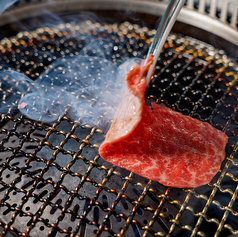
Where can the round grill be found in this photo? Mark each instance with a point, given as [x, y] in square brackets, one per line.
[54, 183]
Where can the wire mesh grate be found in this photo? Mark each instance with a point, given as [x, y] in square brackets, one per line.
[53, 182]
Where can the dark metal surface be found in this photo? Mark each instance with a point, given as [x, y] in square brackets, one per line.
[53, 182]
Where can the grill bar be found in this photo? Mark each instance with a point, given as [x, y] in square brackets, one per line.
[157, 212]
[136, 204]
[209, 201]
[226, 213]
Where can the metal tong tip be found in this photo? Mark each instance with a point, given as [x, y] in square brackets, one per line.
[163, 31]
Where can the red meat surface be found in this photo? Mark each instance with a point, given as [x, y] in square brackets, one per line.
[159, 143]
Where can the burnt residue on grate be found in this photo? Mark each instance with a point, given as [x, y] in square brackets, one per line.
[54, 183]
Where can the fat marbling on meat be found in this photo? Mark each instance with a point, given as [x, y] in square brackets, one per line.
[159, 143]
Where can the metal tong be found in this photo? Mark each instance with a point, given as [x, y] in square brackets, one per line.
[162, 32]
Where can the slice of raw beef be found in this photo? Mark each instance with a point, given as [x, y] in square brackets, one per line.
[159, 143]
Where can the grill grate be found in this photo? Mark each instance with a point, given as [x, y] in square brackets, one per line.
[53, 182]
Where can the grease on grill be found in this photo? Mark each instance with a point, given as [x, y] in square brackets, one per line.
[53, 181]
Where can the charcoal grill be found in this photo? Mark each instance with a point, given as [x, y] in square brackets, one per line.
[54, 183]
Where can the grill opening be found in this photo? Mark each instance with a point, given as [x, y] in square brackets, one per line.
[54, 183]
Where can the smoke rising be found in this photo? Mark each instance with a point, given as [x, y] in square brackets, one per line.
[15, 84]
[81, 82]
[91, 86]
[86, 78]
